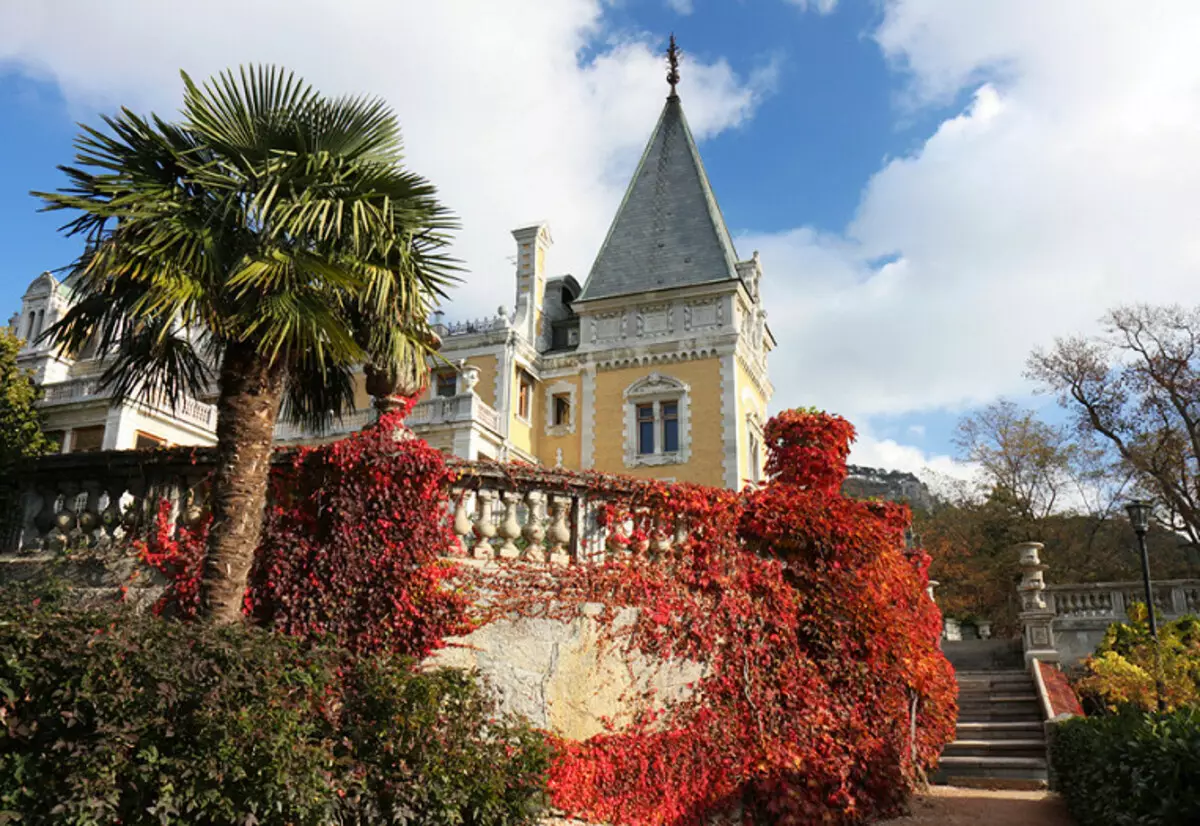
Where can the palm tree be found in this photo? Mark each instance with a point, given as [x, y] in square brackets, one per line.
[273, 233]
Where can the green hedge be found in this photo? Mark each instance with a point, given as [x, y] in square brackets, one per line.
[107, 717]
[1131, 768]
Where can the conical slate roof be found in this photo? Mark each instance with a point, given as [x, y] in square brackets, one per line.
[668, 231]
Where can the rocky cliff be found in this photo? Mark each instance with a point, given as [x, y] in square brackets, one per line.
[896, 485]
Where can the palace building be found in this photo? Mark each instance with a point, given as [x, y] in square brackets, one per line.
[655, 367]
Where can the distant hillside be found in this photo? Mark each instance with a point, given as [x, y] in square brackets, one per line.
[896, 485]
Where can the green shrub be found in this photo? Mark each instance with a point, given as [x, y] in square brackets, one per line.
[1130, 769]
[107, 717]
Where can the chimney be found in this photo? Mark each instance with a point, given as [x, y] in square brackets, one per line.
[532, 243]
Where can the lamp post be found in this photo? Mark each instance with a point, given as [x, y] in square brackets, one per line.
[1139, 517]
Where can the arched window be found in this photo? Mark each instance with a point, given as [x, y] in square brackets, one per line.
[29, 327]
[657, 421]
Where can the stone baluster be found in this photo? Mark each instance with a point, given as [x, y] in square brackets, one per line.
[510, 528]
[1118, 603]
[641, 546]
[89, 515]
[485, 528]
[462, 523]
[617, 540]
[110, 514]
[681, 533]
[560, 531]
[533, 531]
[662, 538]
[39, 518]
[1035, 617]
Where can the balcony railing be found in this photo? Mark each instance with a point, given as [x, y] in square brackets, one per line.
[89, 388]
[463, 408]
[350, 423]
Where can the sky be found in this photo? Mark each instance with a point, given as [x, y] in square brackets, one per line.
[935, 187]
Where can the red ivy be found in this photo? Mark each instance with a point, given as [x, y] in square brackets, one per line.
[351, 547]
[818, 635]
[806, 607]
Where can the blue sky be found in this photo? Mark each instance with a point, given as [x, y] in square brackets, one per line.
[935, 187]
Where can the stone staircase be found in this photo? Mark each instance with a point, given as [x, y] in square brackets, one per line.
[1000, 740]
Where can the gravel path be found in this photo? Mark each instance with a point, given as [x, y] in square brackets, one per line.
[952, 806]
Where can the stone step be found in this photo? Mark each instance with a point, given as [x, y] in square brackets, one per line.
[989, 762]
[1000, 730]
[1010, 779]
[1028, 710]
[996, 748]
[996, 700]
[997, 696]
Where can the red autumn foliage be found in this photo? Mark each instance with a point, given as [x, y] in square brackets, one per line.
[825, 696]
[1063, 699]
[819, 638]
[351, 547]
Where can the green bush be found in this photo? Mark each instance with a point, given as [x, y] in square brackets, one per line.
[1130, 769]
[107, 717]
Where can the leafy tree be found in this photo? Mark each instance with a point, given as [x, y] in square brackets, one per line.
[1136, 387]
[1037, 482]
[21, 433]
[1020, 455]
[272, 232]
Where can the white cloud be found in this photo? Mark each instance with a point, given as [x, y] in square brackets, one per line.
[1067, 184]
[496, 107]
[681, 6]
[819, 6]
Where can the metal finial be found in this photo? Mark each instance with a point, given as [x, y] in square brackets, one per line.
[673, 64]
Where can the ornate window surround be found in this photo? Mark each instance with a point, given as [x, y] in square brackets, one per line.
[560, 388]
[657, 387]
[754, 458]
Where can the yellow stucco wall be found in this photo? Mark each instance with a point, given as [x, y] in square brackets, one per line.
[547, 447]
[754, 404]
[707, 451]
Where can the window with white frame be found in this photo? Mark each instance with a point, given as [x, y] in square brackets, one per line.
[754, 441]
[657, 426]
[560, 407]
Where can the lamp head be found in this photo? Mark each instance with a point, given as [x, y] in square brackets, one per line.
[1139, 514]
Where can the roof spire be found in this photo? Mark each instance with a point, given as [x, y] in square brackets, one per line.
[673, 65]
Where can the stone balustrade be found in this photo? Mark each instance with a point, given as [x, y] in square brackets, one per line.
[95, 499]
[1111, 600]
[540, 515]
[1066, 622]
[462, 408]
[350, 423]
[88, 388]
[497, 511]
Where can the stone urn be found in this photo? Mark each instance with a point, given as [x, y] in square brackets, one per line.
[392, 389]
[470, 376]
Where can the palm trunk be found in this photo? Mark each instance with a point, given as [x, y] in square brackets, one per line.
[246, 412]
